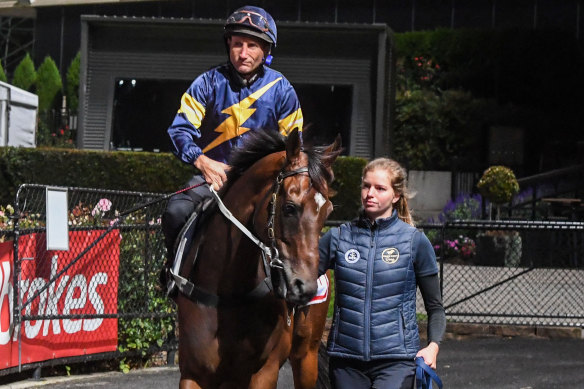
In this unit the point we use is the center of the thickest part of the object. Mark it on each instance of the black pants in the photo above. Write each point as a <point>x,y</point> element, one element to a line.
<point>178,210</point>
<point>345,373</point>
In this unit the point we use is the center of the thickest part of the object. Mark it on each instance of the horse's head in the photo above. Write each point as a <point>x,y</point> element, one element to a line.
<point>301,207</point>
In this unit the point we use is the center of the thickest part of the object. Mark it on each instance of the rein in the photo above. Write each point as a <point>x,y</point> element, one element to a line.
<point>267,252</point>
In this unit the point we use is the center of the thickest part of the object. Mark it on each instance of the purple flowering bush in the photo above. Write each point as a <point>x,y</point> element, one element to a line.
<point>464,207</point>
<point>462,245</point>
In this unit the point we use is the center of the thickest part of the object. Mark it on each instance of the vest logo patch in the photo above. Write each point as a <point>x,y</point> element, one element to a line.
<point>352,256</point>
<point>390,256</point>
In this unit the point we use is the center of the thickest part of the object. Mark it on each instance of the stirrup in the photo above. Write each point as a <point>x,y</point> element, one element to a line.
<point>171,286</point>
<point>173,271</point>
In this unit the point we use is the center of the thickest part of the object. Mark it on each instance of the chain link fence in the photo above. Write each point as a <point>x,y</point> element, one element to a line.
<point>503,272</point>
<point>511,272</point>
<point>102,296</point>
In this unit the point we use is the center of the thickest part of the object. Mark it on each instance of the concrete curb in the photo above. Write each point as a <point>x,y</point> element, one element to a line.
<point>458,331</point>
<point>70,380</point>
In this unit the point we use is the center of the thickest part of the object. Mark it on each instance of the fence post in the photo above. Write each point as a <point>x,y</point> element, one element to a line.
<point>16,309</point>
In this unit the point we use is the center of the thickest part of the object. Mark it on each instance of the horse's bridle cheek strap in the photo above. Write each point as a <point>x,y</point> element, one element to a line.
<point>275,260</point>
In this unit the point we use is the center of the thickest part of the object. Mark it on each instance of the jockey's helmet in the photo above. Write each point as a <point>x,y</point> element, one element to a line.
<point>253,21</point>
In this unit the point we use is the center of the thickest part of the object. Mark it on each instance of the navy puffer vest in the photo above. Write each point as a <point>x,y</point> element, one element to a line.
<point>375,290</point>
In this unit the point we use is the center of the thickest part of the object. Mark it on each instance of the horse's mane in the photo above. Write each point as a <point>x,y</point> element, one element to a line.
<point>260,144</point>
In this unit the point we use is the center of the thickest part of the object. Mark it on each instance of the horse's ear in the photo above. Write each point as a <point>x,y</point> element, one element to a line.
<point>293,145</point>
<point>332,151</point>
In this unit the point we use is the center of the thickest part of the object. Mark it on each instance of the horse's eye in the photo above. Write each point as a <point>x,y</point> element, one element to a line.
<point>289,209</point>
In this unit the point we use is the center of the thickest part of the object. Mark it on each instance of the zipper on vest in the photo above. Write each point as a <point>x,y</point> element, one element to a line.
<point>369,292</point>
<point>403,320</point>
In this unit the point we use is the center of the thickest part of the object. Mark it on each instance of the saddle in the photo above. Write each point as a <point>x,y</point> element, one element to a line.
<point>185,240</point>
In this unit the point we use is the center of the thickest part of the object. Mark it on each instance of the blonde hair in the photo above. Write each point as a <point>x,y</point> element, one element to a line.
<point>398,178</point>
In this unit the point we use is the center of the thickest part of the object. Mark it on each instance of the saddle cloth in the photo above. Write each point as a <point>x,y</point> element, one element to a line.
<point>321,291</point>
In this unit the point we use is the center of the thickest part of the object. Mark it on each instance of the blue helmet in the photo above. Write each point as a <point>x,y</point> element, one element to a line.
<point>253,21</point>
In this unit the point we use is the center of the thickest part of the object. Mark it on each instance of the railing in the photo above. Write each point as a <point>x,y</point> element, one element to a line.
<point>554,183</point>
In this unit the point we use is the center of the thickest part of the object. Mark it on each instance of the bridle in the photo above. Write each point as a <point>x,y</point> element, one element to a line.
<point>270,254</point>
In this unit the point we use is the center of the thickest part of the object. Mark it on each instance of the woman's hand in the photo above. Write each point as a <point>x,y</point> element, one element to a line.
<point>429,353</point>
<point>213,171</point>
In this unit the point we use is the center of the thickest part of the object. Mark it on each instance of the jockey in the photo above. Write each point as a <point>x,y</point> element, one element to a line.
<point>221,108</point>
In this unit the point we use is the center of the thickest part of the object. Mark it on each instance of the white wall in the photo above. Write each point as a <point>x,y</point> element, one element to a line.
<point>431,191</point>
<point>18,116</point>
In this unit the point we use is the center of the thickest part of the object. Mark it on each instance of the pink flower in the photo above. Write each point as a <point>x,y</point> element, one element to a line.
<point>104,205</point>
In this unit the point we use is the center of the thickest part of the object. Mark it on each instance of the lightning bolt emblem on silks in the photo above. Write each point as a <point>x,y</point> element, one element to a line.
<point>238,114</point>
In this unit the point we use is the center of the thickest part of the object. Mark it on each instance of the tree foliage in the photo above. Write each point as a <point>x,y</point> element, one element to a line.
<point>72,90</point>
<point>48,84</point>
<point>25,74</point>
<point>2,74</point>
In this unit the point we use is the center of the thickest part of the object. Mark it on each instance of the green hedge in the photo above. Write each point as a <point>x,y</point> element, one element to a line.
<point>152,172</point>
<point>143,171</point>
<point>347,184</point>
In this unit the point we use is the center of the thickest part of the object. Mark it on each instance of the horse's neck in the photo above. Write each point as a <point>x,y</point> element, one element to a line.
<point>227,254</point>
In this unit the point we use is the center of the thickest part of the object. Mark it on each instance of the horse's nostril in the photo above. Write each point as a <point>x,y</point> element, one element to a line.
<point>299,286</point>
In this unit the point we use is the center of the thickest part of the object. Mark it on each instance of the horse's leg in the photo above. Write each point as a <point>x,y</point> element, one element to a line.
<point>309,324</point>
<point>267,376</point>
<point>186,383</point>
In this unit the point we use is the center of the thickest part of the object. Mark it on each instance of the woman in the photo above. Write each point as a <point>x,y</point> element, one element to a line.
<point>378,260</point>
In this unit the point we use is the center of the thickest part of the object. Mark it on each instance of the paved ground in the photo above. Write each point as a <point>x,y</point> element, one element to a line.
<point>481,363</point>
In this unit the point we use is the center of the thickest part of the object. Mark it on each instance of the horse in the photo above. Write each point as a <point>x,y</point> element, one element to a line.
<point>252,269</point>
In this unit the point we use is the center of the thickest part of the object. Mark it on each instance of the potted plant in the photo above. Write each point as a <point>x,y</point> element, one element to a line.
<point>498,185</point>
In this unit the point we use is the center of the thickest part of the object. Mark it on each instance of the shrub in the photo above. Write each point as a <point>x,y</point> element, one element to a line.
<point>48,84</point>
<point>347,185</point>
<point>72,90</point>
<point>24,74</point>
<point>498,184</point>
<point>138,171</point>
<point>151,172</point>
<point>464,207</point>
<point>2,74</point>
<point>434,128</point>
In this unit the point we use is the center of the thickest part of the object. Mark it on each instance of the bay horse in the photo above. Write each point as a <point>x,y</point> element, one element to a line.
<point>246,313</point>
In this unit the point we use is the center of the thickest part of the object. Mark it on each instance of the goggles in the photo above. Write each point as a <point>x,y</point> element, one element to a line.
<point>251,18</point>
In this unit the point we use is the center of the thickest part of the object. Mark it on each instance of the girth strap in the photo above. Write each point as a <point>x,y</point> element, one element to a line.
<point>199,295</point>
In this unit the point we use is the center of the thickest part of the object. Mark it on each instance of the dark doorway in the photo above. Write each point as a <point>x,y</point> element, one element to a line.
<point>327,112</point>
<point>143,110</point>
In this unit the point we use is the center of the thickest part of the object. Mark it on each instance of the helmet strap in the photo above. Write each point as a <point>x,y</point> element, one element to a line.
<point>268,60</point>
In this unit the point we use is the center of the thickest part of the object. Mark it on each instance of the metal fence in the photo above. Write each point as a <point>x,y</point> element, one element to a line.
<point>47,300</point>
<point>505,272</point>
<point>511,272</point>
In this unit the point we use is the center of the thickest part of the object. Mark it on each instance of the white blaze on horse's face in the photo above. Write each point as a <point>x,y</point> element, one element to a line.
<point>320,201</point>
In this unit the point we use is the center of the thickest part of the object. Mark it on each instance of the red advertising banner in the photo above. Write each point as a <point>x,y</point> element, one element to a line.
<point>89,286</point>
